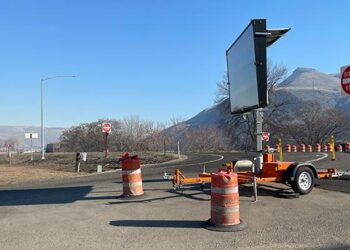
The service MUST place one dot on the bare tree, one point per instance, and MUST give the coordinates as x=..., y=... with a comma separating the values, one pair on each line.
x=241, y=128
x=176, y=120
x=222, y=89
x=276, y=73
x=203, y=140
x=88, y=137
x=315, y=124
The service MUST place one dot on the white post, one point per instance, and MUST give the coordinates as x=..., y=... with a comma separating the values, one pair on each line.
x=42, y=121
x=178, y=149
x=31, y=147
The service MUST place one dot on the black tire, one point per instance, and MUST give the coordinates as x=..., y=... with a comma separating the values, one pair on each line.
x=304, y=181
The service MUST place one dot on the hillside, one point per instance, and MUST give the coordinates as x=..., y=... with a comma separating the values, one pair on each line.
x=16, y=134
x=304, y=84
x=311, y=85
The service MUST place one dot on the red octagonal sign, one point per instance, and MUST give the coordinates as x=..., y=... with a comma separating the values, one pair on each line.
x=345, y=80
x=265, y=136
x=106, y=127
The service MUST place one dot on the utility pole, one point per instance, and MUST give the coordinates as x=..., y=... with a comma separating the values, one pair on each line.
x=42, y=113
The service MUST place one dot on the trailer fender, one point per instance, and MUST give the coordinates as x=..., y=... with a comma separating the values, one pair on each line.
x=292, y=170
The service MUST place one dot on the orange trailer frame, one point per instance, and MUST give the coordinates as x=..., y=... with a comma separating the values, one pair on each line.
x=272, y=171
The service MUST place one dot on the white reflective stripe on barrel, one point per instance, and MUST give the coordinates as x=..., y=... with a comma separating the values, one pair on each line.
x=217, y=190
x=132, y=184
x=225, y=209
x=130, y=172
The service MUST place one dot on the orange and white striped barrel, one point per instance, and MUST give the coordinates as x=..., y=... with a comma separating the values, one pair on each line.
x=340, y=148
x=329, y=147
x=132, y=178
x=288, y=148
x=302, y=147
x=309, y=148
x=318, y=147
x=347, y=146
x=224, y=198
x=324, y=148
x=294, y=148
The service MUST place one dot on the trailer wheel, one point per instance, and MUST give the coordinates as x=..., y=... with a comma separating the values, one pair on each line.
x=304, y=181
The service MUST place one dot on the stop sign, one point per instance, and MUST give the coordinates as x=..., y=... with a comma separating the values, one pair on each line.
x=106, y=127
x=265, y=136
x=345, y=79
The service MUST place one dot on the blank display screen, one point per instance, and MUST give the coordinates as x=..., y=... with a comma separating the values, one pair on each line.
x=242, y=72
x=246, y=68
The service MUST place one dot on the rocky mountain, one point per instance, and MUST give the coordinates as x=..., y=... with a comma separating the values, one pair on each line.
x=304, y=84
x=311, y=85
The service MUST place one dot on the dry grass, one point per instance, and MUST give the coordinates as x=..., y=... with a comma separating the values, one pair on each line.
x=59, y=165
x=16, y=174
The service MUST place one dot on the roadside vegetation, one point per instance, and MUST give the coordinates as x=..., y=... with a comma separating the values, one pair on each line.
x=66, y=161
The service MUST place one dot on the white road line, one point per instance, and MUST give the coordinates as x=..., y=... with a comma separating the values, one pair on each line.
x=324, y=155
x=206, y=162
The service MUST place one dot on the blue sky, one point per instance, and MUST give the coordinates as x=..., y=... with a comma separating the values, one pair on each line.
x=155, y=59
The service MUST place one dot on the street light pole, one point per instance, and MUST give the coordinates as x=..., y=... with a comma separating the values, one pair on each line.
x=42, y=113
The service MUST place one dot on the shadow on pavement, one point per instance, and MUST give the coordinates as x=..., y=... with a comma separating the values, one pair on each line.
x=45, y=196
x=147, y=181
x=334, y=185
x=176, y=194
x=335, y=247
x=267, y=190
x=157, y=223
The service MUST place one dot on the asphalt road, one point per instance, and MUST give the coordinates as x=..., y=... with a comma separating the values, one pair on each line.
x=83, y=213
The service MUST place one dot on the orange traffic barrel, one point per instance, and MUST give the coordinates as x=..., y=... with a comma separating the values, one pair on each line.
x=294, y=148
x=288, y=148
x=318, y=147
x=325, y=148
x=340, y=148
x=302, y=147
x=329, y=147
x=347, y=146
x=309, y=148
x=225, y=216
x=269, y=157
x=132, y=178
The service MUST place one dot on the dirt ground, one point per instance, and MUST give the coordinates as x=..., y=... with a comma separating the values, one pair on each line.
x=60, y=165
x=16, y=174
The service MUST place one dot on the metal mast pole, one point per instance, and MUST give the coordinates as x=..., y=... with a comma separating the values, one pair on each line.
x=259, y=158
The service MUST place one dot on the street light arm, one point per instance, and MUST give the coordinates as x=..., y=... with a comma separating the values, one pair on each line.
x=48, y=78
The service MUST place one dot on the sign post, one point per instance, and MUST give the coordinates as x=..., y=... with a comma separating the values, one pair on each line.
x=106, y=129
x=31, y=136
